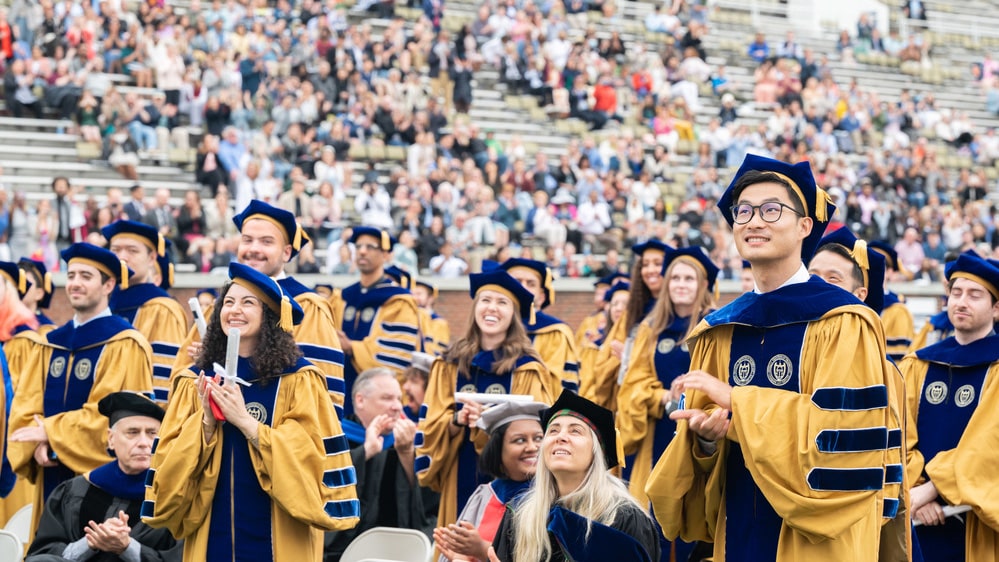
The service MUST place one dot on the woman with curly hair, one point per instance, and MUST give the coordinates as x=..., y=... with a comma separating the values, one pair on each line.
x=264, y=482
x=494, y=357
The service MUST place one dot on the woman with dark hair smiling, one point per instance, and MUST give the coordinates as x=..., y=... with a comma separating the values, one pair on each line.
x=510, y=456
x=494, y=357
x=265, y=485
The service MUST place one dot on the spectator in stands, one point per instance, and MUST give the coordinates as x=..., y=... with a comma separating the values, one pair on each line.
x=447, y=264
x=914, y=9
x=142, y=119
x=191, y=225
x=122, y=152
x=162, y=216
x=759, y=50
x=17, y=85
x=374, y=205
x=88, y=110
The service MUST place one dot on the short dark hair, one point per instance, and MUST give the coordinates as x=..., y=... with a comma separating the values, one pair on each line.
x=57, y=179
x=753, y=177
x=839, y=250
x=491, y=457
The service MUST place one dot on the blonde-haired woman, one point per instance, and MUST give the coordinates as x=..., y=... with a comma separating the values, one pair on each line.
x=494, y=357
x=576, y=509
x=660, y=354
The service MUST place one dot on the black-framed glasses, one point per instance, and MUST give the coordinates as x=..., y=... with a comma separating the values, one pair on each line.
x=770, y=211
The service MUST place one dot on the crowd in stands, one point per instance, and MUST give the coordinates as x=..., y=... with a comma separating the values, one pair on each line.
x=276, y=95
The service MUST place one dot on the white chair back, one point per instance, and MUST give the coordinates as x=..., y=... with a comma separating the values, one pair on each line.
x=388, y=544
x=19, y=524
x=11, y=547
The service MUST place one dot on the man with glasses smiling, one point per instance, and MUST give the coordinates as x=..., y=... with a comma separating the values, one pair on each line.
x=379, y=321
x=785, y=448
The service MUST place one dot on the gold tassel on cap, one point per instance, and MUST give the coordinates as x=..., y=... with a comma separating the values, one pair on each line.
x=169, y=274
x=286, y=321
x=47, y=282
x=822, y=200
x=22, y=282
x=533, y=317
x=160, y=245
x=297, y=242
x=124, y=275
x=386, y=242
x=860, y=255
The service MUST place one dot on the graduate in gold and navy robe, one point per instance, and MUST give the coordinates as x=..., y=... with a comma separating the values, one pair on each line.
x=434, y=327
x=953, y=399
x=447, y=443
x=380, y=324
x=646, y=280
x=269, y=238
x=552, y=338
x=263, y=485
x=145, y=304
x=782, y=445
x=94, y=354
x=899, y=326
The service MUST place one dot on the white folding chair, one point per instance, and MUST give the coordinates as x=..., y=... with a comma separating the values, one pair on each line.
x=388, y=544
x=19, y=524
x=11, y=547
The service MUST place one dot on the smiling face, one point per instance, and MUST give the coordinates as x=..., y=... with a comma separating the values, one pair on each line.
x=762, y=242
x=568, y=447
x=243, y=310
x=970, y=307
x=652, y=267
x=131, y=439
x=86, y=292
x=837, y=270
x=682, y=282
x=263, y=246
x=618, y=304
x=493, y=313
x=520, y=449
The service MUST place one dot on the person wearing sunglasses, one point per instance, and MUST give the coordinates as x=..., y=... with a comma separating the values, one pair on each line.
x=782, y=450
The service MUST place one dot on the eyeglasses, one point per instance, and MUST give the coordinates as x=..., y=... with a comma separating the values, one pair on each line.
x=770, y=211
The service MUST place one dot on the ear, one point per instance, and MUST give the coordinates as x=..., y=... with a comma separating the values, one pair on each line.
x=286, y=253
x=108, y=287
x=805, y=225
x=861, y=293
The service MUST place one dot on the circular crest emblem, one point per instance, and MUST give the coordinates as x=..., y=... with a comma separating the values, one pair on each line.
x=58, y=367
x=82, y=369
x=349, y=313
x=367, y=314
x=496, y=388
x=965, y=395
x=936, y=392
x=257, y=411
x=744, y=370
x=779, y=369
x=468, y=388
x=665, y=346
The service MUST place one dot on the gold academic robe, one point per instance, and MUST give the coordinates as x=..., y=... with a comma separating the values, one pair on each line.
x=164, y=324
x=17, y=349
x=899, y=326
x=316, y=336
x=555, y=343
x=437, y=452
x=601, y=385
x=378, y=348
x=78, y=437
x=302, y=463
x=824, y=513
x=640, y=405
x=963, y=474
x=435, y=331
x=589, y=325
